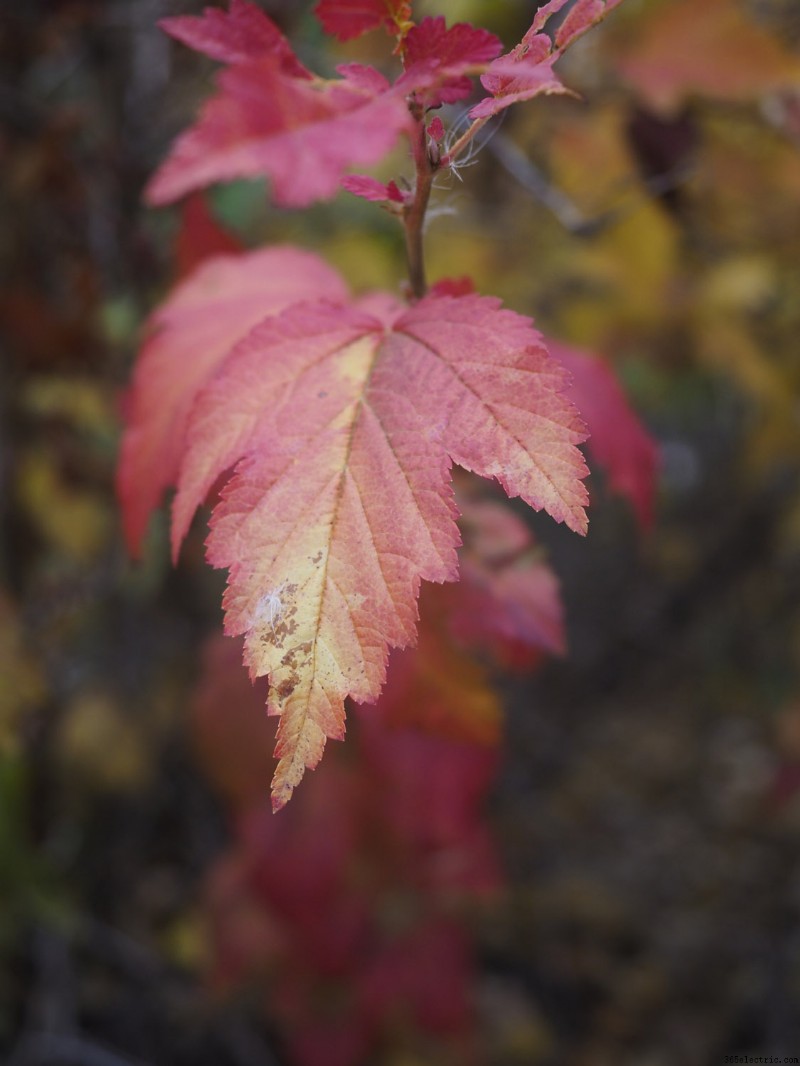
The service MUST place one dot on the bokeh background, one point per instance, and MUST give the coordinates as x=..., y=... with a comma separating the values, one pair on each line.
x=642, y=817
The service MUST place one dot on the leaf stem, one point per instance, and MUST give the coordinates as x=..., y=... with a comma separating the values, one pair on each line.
x=464, y=139
x=414, y=213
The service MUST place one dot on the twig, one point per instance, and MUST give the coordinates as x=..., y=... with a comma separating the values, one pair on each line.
x=414, y=214
x=559, y=204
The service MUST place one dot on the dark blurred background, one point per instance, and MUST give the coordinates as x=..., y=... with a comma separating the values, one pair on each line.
x=646, y=808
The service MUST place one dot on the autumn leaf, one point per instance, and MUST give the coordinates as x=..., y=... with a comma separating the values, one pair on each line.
x=346, y=19
x=526, y=71
x=508, y=600
x=438, y=58
x=340, y=423
x=243, y=32
x=372, y=189
x=581, y=17
x=522, y=74
x=302, y=133
x=617, y=439
x=187, y=338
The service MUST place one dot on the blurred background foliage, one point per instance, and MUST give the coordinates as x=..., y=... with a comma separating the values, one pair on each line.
x=646, y=810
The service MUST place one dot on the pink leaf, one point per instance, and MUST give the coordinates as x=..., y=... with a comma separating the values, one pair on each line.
x=507, y=592
x=340, y=425
x=243, y=32
x=511, y=79
x=301, y=134
x=526, y=71
x=580, y=18
x=371, y=189
x=544, y=13
x=188, y=337
x=618, y=441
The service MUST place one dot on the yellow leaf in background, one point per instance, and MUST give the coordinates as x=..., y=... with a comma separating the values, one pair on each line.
x=747, y=183
x=74, y=521
x=623, y=276
x=725, y=321
x=744, y=283
x=368, y=261
x=86, y=404
x=457, y=247
x=100, y=746
x=726, y=345
x=185, y=940
x=725, y=297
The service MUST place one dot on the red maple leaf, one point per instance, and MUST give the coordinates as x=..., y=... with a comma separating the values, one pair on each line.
x=346, y=19
x=341, y=423
x=242, y=33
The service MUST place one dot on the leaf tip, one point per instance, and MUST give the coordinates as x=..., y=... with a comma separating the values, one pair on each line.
x=280, y=797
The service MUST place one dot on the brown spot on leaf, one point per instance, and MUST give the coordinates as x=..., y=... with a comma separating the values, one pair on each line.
x=287, y=687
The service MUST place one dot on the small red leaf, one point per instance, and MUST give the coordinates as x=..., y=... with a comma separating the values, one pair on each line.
x=522, y=74
x=243, y=32
x=346, y=19
x=438, y=58
x=371, y=189
x=462, y=286
x=436, y=130
x=508, y=595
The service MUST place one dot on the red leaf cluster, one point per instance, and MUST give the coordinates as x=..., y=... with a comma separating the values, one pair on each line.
x=357, y=898
x=273, y=117
x=331, y=424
